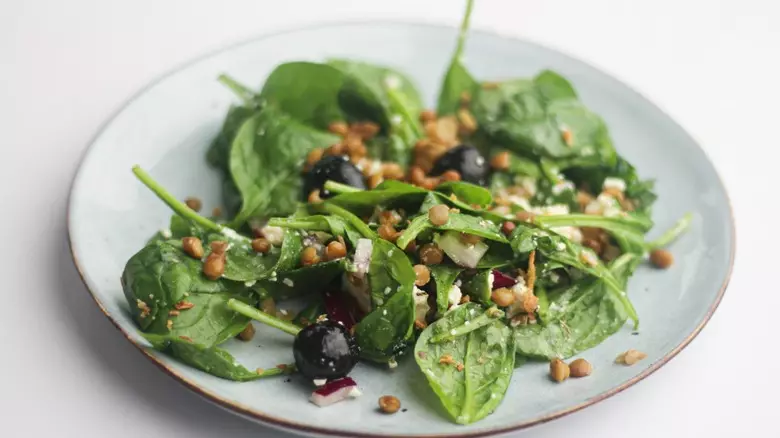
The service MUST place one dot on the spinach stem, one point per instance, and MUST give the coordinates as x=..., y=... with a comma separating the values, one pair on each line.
x=298, y=224
x=335, y=187
x=258, y=315
x=480, y=321
x=672, y=234
x=242, y=91
x=351, y=218
x=177, y=206
x=464, y=30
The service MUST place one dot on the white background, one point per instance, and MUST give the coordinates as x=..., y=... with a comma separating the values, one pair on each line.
x=66, y=66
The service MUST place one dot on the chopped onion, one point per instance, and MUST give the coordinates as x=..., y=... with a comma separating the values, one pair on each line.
x=335, y=391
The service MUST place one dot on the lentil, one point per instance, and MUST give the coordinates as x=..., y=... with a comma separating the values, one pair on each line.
x=580, y=368
x=559, y=371
x=439, y=214
x=261, y=245
x=309, y=256
x=470, y=239
x=219, y=246
x=214, y=266
x=194, y=203
x=423, y=275
x=431, y=254
x=389, y=404
x=450, y=175
x=630, y=357
x=507, y=227
x=661, y=258
x=500, y=161
x=503, y=297
x=335, y=250
x=193, y=247
x=338, y=128
x=248, y=333
x=387, y=232
x=314, y=155
x=427, y=116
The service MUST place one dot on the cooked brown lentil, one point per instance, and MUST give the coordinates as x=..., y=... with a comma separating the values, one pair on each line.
x=507, y=227
x=338, y=128
x=214, y=266
x=559, y=371
x=423, y=275
x=314, y=197
x=661, y=258
x=194, y=203
x=431, y=254
x=580, y=368
x=314, y=155
x=427, y=116
x=500, y=161
x=439, y=214
x=335, y=250
x=389, y=404
x=450, y=175
x=261, y=245
x=387, y=232
x=193, y=247
x=248, y=333
x=503, y=297
x=470, y=239
x=309, y=256
x=219, y=246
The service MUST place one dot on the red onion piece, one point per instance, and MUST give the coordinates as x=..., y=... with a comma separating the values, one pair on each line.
x=502, y=280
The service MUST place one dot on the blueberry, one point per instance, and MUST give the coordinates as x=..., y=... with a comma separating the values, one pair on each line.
x=325, y=350
x=466, y=160
x=333, y=168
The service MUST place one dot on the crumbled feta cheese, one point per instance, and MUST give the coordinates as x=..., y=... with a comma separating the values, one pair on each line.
x=454, y=295
x=392, y=82
x=288, y=282
x=392, y=364
x=387, y=290
x=614, y=183
x=560, y=246
x=274, y=235
x=572, y=233
x=421, y=306
x=320, y=382
x=250, y=283
x=166, y=233
x=363, y=251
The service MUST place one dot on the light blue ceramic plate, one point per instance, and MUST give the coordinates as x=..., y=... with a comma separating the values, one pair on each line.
x=167, y=127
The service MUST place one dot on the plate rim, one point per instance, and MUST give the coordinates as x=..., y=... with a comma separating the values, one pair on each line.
x=292, y=426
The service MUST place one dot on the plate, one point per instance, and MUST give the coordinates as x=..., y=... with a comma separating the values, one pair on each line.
x=167, y=127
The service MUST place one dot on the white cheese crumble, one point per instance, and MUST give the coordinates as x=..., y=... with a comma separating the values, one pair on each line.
x=288, y=282
x=320, y=382
x=614, y=183
x=392, y=82
x=274, y=235
x=560, y=246
x=562, y=186
x=166, y=233
x=392, y=364
x=454, y=295
x=387, y=290
x=421, y=306
x=250, y=283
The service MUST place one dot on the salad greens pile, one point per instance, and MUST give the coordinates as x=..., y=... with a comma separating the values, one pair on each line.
x=472, y=280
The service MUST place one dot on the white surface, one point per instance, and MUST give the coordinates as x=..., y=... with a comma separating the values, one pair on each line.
x=66, y=66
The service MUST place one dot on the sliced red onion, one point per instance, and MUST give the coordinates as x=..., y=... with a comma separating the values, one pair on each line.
x=338, y=310
x=502, y=280
x=335, y=391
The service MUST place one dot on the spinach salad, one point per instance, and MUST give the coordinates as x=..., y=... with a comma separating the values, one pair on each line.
x=499, y=228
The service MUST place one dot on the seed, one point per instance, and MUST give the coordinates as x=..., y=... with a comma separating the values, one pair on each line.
x=450, y=175
x=423, y=275
x=392, y=171
x=309, y=256
x=214, y=266
x=470, y=239
x=446, y=359
x=389, y=404
x=580, y=368
x=467, y=120
x=338, y=128
x=335, y=149
x=630, y=357
x=507, y=227
x=314, y=197
x=567, y=136
x=593, y=244
x=365, y=130
x=525, y=216
x=465, y=299
x=194, y=203
x=374, y=180
x=314, y=156
x=427, y=116
x=248, y=333
x=416, y=175
x=460, y=367
x=389, y=217
x=559, y=371
x=503, y=297
x=216, y=212
x=431, y=254
x=261, y=245
x=500, y=161
x=387, y=232
x=183, y=305
x=439, y=214
x=169, y=324
x=193, y=247
x=430, y=183
x=661, y=258
x=174, y=313
x=219, y=246
x=353, y=143
x=335, y=250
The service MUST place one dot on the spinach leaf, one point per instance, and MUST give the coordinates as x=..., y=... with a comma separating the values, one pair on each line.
x=578, y=317
x=401, y=103
x=470, y=194
x=457, y=80
x=218, y=155
x=161, y=275
x=444, y=277
x=640, y=192
x=386, y=194
x=316, y=95
x=630, y=227
x=383, y=333
x=470, y=374
x=334, y=225
x=302, y=281
x=242, y=263
x=213, y=360
x=561, y=250
x=530, y=118
x=459, y=222
x=310, y=313
x=265, y=162
x=480, y=286
x=484, y=318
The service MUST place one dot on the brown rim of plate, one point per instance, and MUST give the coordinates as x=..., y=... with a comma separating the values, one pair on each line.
x=298, y=427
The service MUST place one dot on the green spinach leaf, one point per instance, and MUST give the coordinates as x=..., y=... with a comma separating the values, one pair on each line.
x=457, y=80
x=309, y=280
x=473, y=386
